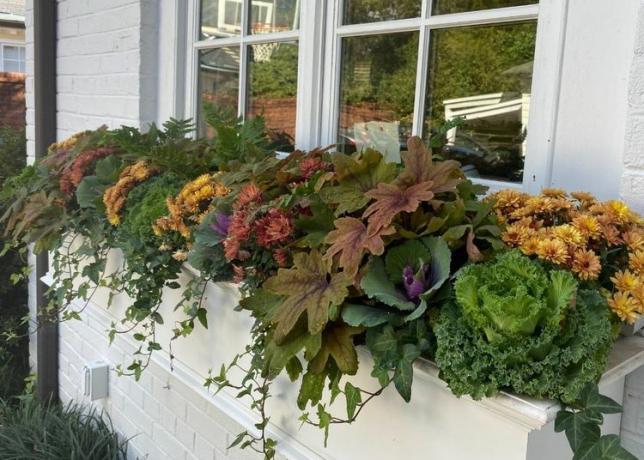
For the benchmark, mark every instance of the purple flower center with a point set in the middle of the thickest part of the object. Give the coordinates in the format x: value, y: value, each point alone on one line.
x: 221, y: 224
x: 415, y: 284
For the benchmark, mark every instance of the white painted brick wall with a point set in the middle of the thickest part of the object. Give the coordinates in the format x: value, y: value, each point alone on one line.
x: 632, y: 190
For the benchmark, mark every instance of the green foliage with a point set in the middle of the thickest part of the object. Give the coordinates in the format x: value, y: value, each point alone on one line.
x: 554, y: 364
x: 31, y: 430
x: 145, y: 204
x: 277, y: 76
x: 582, y: 426
x: 510, y: 298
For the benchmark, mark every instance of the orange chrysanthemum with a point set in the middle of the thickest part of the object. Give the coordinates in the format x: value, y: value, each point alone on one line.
x: 586, y: 265
x: 554, y: 192
x: 553, y: 250
x: 634, y: 239
x: 530, y: 245
x: 514, y: 235
x: 568, y: 234
x: 636, y: 262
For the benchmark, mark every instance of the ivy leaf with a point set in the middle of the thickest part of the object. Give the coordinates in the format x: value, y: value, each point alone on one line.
x: 337, y: 343
x: 353, y: 397
x: 276, y: 357
x: 404, y: 373
x: 351, y: 239
x: 364, y: 315
x: 591, y: 399
x: 378, y: 286
x: 606, y: 448
x: 294, y: 368
x: 419, y: 167
x: 391, y: 200
x: 579, y: 428
x: 311, y: 389
x: 324, y: 421
x: 309, y: 287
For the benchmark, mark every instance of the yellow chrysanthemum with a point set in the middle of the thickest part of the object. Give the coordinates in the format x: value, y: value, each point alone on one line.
x: 115, y: 196
x: 554, y: 192
x: 636, y: 262
x: 530, y: 245
x: 553, y: 250
x: 568, y: 234
x: 625, y: 280
x: 620, y: 210
x: 586, y: 224
x: 586, y: 265
x: 583, y: 197
x: 624, y: 307
x: 638, y: 297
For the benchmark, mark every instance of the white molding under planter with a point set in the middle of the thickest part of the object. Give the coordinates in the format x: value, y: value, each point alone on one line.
x: 434, y: 424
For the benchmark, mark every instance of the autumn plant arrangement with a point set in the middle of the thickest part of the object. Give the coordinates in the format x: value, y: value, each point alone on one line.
x: 335, y: 253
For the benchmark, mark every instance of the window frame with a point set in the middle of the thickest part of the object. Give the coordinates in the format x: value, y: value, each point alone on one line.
x: 319, y: 40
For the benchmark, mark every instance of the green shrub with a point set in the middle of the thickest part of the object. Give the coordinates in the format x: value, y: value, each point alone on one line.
x: 35, y: 431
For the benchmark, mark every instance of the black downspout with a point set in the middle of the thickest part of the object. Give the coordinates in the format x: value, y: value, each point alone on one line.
x: 44, y: 29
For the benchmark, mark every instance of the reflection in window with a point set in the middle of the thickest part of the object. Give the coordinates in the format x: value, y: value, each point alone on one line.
x: 483, y: 75
x: 377, y: 92
x: 13, y: 59
x: 272, y: 89
x: 267, y: 16
x: 461, y: 6
x: 218, y: 81
x: 360, y: 11
x: 220, y: 18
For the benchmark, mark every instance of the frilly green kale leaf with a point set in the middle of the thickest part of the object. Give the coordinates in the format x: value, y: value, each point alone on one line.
x: 512, y: 297
x: 547, y: 364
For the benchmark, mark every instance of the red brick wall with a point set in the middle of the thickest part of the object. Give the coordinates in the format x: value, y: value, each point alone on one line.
x: 12, y: 99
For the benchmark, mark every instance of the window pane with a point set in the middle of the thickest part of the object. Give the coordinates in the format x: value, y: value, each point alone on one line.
x: 220, y: 18
x: 218, y: 81
x: 360, y: 11
x: 377, y: 92
x: 12, y: 52
x: 483, y: 74
x: 272, y: 89
x: 268, y: 16
x: 461, y: 6
x: 12, y: 66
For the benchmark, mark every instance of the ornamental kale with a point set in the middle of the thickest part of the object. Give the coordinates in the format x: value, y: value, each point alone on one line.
x: 517, y: 326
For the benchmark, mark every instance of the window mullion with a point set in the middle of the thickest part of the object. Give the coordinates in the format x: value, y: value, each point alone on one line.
x: 243, y: 58
x: 310, y: 75
x: 421, y: 73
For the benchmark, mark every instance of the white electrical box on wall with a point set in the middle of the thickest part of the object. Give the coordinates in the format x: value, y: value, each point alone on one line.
x: 96, y: 379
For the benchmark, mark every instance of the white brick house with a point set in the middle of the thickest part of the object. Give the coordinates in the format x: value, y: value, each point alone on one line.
x: 138, y: 61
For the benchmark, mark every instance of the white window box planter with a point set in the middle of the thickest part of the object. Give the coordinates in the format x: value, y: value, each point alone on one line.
x: 435, y: 425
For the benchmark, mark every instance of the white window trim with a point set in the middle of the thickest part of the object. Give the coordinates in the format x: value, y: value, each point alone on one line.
x: 319, y: 39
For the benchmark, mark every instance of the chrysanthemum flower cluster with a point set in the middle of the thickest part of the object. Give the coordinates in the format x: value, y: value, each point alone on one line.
x: 76, y: 171
x: 191, y: 205
x: 597, y: 241
x: 115, y: 197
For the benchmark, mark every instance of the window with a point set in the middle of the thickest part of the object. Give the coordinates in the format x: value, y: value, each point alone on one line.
x: 13, y: 58
x: 372, y: 73
x: 247, y: 62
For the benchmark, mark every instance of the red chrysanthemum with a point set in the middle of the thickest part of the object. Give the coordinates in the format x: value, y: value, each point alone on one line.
x: 247, y: 195
x: 275, y: 227
x: 309, y: 166
x: 231, y: 248
x: 281, y: 257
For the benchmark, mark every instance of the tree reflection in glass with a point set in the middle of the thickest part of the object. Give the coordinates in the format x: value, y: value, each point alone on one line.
x: 461, y: 6
x: 272, y: 89
x: 377, y: 82
x: 361, y: 11
x: 218, y: 81
x: 484, y: 75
